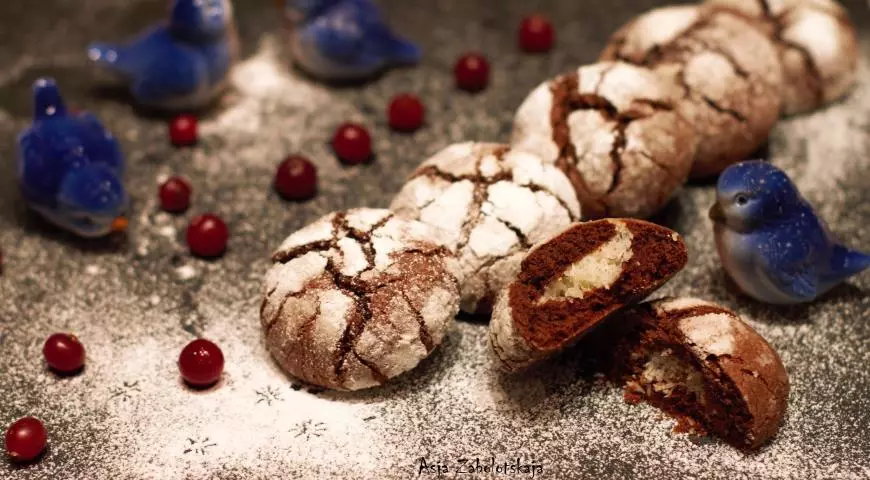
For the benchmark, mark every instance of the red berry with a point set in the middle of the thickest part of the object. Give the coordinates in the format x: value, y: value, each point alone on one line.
x: 201, y: 363
x: 472, y: 72
x: 207, y: 236
x: 352, y: 143
x: 64, y: 353
x: 25, y: 439
x: 296, y: 178
x: 183, y: 131
x: 175, y: 195
x: 406, y: 113
x: 536, y: 34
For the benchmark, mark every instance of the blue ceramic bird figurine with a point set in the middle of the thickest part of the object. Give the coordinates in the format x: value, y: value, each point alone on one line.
x: 182, y: 64
x: 770, y: 240
x: 70, y: 167
x: 344, y: 40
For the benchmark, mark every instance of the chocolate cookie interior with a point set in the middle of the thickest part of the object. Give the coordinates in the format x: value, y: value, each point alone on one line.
x: 660, y: 364
x: 572, y: 282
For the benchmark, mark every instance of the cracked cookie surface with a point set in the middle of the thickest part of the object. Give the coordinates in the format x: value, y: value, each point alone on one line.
x: 817, y: 45
x: 489, y: 205
x: 728, y: 72
x: 356, y: 298
x: 613, y: 129
x: 702, y: 364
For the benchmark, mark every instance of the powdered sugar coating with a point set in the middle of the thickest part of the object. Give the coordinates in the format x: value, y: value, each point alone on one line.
x: 360, y: 306
x: 725, y: 344
x: 572, y: 424
x: 680, y: 303
x: 710, y: 334
x: 817, y: 44
x: 612, y: 128
x: 489, y: 204
x: 729, y: 73
x: 509, y: 348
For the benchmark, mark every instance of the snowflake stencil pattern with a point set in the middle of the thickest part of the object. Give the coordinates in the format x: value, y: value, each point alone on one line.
x: 308, y: 429
x: 126, y: 390
x: 199, y: 445
x: 268, y: 395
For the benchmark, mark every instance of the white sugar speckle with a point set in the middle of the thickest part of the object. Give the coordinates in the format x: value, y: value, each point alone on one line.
x: 185, y: 272
x: 93, y: 270
x: 168, y: 231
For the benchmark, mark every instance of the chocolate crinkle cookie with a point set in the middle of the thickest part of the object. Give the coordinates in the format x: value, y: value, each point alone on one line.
x: 571, y: 282
x: 817, y: 45
x: 357, y: 298
x: 703, y: 365
x: 729, y: 74
x: 489, y: 205
x: 614, y: 130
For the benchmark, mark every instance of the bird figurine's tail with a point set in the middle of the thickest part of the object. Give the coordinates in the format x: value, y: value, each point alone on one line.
x: 402, y: 51
x: 108, y: 56
x: 47, y: 101
x: 845, y: 263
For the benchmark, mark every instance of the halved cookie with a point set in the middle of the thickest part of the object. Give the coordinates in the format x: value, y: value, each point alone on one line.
x: 571, y: 282
x: 703, y: 365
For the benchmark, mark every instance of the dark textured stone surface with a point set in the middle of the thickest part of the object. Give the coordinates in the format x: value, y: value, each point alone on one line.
x: 134, y: 303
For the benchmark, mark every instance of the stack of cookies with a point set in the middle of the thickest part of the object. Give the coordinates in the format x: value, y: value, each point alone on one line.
x: 362, y: 296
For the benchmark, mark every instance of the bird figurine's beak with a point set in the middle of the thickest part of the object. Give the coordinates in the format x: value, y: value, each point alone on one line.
x: 716, y: 213
x: 120, y: 224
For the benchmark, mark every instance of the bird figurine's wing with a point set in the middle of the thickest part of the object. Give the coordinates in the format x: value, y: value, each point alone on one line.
x: 787, y: 263
x: 177, y: 73
x: 798, y: 282
x: 103, y: 148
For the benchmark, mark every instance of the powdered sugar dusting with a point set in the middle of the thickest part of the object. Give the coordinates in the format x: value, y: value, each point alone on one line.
x: 710, y: 334
x: 128, y: 417
x: 532, y: 133
x: 681, y: 303
x: 353, y: 259
x: 490, y: 204
x: 331, y: 313
x: 660, y: 26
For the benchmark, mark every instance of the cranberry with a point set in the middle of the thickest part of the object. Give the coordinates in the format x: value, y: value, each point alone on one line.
x: 207, y: 236
x: 25, y: 439
x: 183, y: 130
x: 352, y: 143
x: 175, y: 195
x: 406, y: 113
x: 536, y: 34
x: 296, y: 178
x: 201, y: 363
x: 64, y: 353
x: 472, y: 72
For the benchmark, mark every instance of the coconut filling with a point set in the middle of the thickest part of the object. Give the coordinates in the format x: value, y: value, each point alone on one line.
x: 664, y: 373
x: 598, y: 270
